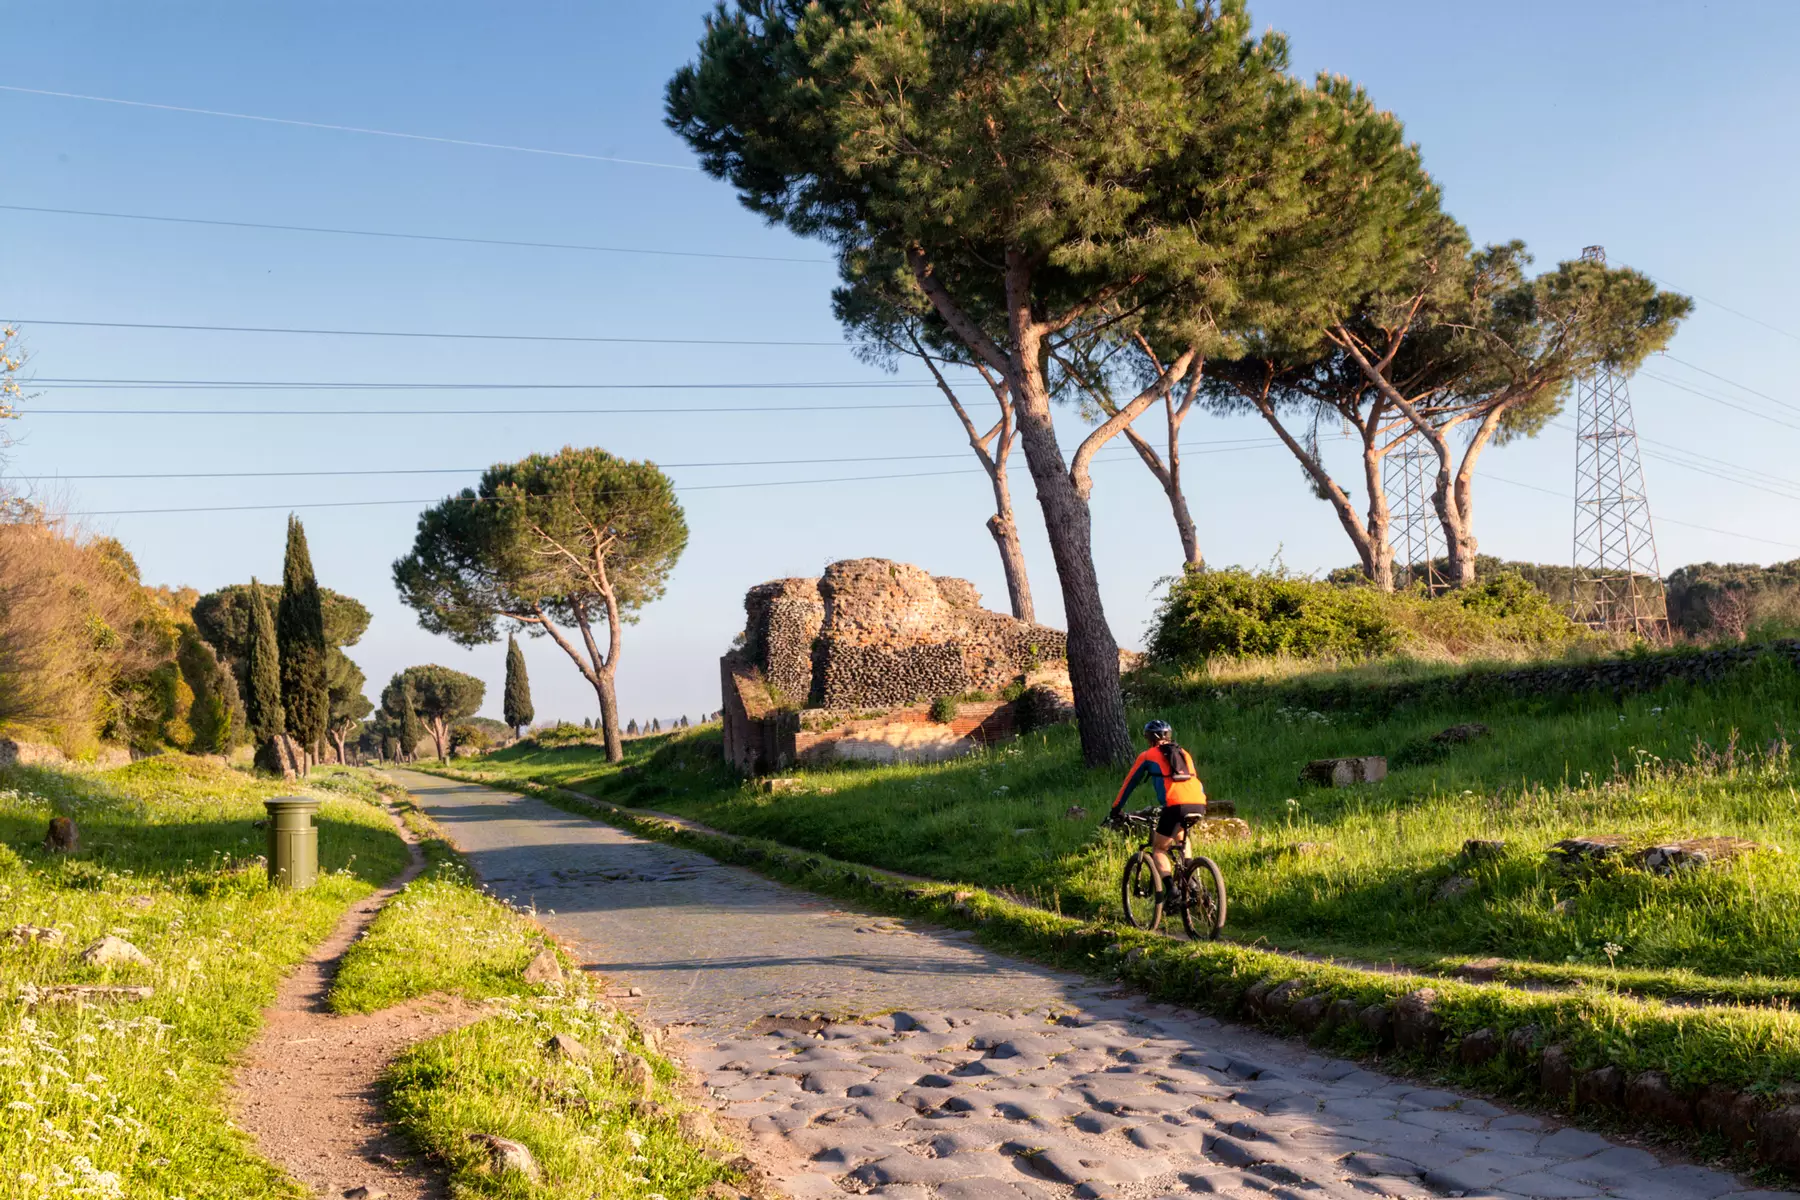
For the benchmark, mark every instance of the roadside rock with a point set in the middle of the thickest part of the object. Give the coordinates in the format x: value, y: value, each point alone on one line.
x: 544, y: 969
x: 1074, y: 812
x: 1345, y: 772
x: 1480, y: 850
x: 281, y: 755
x: 1778, y: 1137
x: 1556, y: 1074
x: 633, y: 1070
x: 1453, y: 888
x: 62, y: 837
x: 1651, y: 1097
x: 561, y: 1045
x: 112, y: 951
x: 365, y: 1193
x: 1578, y: 853
x: 1457, y: 735
x: 1479, y: 1047
x: 1416, y: 1023
x: 26, y: 935
x: 83, y: 994
x: 1219, y: 829
x: 1695, y: 853
x: 1729, y: 1113
x: 1602, y: 1087
x: 507, y: 1157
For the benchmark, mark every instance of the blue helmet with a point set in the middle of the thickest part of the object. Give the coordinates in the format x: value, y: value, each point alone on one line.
x: 1157, y: 730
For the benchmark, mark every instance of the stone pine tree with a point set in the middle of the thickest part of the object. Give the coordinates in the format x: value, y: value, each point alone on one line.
x: 556, y: 544
x: 300, y: 629
x: 262, y: 699
x: 438, y: 698
x: 1028, y: 171
x: 516, y: 703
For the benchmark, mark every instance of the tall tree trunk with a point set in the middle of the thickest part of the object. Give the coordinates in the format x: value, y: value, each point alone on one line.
x: 1378, y: 560
x: 1012, y: 553
x: 1093, y: 652
x: 439, y: 734
x: 609, y: 716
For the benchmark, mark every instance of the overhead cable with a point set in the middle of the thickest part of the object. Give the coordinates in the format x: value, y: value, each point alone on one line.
x: 386, y: 133
x: 411, y: 237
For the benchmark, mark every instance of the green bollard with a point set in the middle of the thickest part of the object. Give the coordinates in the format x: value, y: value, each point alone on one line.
x: 293, y: 841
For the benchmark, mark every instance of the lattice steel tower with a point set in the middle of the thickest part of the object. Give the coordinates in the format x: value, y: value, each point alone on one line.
x: 1618, y: 582
x: 1409, y: 476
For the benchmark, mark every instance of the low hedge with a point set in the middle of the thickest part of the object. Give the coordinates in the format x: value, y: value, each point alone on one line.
x: 1689, y: 1073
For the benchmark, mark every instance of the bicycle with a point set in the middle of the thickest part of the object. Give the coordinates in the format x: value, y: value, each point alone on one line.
x: 1199, y: 884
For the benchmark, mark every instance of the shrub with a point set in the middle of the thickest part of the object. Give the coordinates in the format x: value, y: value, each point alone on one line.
x: 1240, y: 614
x: 944, y: 709
x: 1244, y: 614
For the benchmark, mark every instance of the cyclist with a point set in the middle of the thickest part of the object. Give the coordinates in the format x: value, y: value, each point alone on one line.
x: 1170, y: 770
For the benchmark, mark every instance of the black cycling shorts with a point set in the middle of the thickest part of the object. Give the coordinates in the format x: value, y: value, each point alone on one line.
x: 1174, y: 816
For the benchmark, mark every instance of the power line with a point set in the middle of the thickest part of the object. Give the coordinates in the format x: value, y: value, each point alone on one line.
x: 1564, y: 497
x: 470, y: 412
x: 397, y: 333
x: 1743, y: 408
x: 299, y: 385
x: 1731, y: 382
x: 1230, y: 445
x: 387, y: 133
x: 409, y: 237
x: 1725, y: 308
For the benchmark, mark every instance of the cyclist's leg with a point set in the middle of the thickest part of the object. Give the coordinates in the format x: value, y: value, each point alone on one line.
x: 1159, y: 854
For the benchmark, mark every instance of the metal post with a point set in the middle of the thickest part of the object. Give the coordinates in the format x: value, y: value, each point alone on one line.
x: 1618, y: 581
x: 293, y: 841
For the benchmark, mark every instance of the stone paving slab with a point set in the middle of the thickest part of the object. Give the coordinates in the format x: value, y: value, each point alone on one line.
x: 948, y: 1072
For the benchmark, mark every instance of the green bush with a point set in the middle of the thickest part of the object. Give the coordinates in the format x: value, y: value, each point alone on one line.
x: 1235, y: 613
x: 944, y: 709
x: 1242, y: 614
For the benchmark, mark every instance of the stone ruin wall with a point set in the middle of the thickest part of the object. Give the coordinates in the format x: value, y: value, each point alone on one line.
x: 873, y: 634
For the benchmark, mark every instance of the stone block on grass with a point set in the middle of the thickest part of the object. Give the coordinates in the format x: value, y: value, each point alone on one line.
x: 1345, y: 772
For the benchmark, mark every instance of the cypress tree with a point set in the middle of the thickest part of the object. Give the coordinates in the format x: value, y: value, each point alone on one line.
x: 412, y: 730
x: 516, y: 703
x: 300, y: 630
x: 262, y: 707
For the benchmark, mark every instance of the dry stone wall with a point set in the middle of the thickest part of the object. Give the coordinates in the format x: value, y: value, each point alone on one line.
x: 872, y: 633
x: 869, y: 634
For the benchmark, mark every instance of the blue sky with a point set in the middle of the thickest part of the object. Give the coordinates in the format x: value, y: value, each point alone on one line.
x: 1665, y: 131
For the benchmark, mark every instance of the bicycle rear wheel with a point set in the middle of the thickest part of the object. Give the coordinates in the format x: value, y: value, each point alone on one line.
x: 1203, y: 916
x: 1140, y: 893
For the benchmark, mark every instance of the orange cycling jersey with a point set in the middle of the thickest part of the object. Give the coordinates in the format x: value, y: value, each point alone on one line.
x: 1174, y: 788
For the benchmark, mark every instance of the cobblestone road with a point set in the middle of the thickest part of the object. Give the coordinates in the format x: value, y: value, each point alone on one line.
x: 951, y: 1073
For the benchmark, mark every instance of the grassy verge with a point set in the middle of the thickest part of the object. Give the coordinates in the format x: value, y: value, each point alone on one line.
x: 440, y: 934
x: 1354, y: 873
x: 127, y: 1100
x: 606, y: 1119
x: 1501, y: 1040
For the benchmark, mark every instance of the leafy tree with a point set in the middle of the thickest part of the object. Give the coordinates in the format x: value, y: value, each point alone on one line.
x: 300, y: 628
x: 217, y: 709
x: 1031, y: 173
x: 262, y: 702
x: 554, y: 544
x: 348, y: 705
x: 516, y: 704
x: 223, y: 618
x: 435, y: 695
x: 1493, y: 353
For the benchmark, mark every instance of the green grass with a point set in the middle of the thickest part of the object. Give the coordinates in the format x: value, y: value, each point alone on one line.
x: 1663, y: 764
x: 440, y: 934
x: 128, y: 1100
x: 594, y: 1131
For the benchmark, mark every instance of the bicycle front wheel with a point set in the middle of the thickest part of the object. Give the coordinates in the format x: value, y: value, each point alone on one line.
x: 1141, y: 893
x: 1203, y: 916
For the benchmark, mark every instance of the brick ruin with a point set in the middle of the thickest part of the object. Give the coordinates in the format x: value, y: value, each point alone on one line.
x: 869, y: 634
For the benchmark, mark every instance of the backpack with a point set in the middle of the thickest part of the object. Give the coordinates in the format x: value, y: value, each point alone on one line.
x: 1178, y: 762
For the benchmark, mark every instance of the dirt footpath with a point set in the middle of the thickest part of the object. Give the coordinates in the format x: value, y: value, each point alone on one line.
x: 308, y: 1089
x: 988, y: 1078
